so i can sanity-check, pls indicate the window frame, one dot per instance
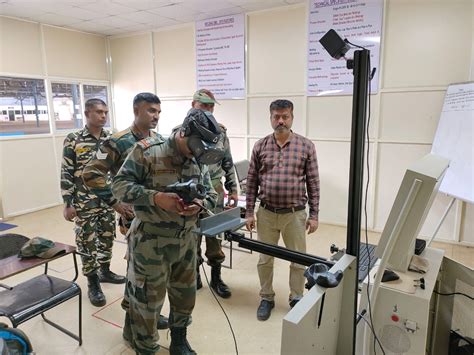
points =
(48, 80)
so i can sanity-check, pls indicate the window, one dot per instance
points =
(17, 97)
(96, 92)
(67, 106)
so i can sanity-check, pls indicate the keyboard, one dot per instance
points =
(364, 253)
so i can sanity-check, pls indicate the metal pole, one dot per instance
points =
(276, 251)
(356, 173)
(441, 221)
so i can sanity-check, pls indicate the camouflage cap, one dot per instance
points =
(40, 247)
(205, 96)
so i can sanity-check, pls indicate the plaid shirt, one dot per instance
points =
(285, 176)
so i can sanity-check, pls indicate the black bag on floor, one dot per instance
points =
(13, 341)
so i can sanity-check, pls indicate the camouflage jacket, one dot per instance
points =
(79, 148)
(153, 164)
(108, 161)
(223, 168)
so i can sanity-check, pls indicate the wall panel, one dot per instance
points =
(277, 50)
(175, 62)
(20, 47)
(333, 161)
(427, 43)
(238, 146)
(233, 115)
(173, 113)
(132, 72)
(30, 182)
(410, 116)
(75, 54)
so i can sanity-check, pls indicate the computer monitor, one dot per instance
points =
(412, 204)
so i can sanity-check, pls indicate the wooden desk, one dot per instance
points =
(14, 265)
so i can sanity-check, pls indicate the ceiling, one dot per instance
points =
(115, 17)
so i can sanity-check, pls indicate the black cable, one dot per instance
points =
(354, 45)
(372, 329)
(367, 132)
(454, 293)
(225, 314)
(461, 337)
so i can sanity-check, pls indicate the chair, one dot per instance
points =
(39, 294)
(241, 170)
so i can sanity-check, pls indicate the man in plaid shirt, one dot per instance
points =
(284, 175)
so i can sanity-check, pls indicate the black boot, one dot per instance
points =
(198, 280)
(162, 322)
(105, 275)
(179, 344)
(217, 284)
(95, 293)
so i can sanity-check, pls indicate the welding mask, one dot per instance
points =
(204, 137)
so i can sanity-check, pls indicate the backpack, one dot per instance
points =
(14, 341)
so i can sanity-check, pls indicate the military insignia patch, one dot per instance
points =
(101, 155)
(81, 150)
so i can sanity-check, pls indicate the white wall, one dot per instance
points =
(132, 72)
(30, 164)
(426, 45)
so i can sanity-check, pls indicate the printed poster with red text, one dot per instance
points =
(220, 56)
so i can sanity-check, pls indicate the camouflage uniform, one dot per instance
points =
(112, 154)
(111, 157)
(214, 254)
(162, 247)
(94, 224)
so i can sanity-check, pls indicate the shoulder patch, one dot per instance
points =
(120, 134)
(150, 141)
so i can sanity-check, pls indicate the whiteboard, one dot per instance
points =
(454, 140)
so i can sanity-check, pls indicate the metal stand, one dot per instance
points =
(361, 68)
(228, 245)
(441, 221)
(276, 251)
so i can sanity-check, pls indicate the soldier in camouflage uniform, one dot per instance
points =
(112, 153)
(162, 246)
(204, 99)
(94, 220)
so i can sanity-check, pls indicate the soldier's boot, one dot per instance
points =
(162, 322)
(105, 275)
(198, 279)
(217, 284)
(96, 296)
(179, 344)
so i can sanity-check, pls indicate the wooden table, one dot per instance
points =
(14, 265)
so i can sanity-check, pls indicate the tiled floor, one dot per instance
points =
(210, 332)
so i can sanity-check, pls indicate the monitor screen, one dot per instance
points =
(412, 204)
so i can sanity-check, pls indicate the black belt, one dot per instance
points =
(282, 209)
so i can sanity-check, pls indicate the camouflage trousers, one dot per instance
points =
(158, 264)
(214, 254)
(95, 233)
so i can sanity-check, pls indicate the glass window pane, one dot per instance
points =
(96, 92)
(18, 96)
(67, 106)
